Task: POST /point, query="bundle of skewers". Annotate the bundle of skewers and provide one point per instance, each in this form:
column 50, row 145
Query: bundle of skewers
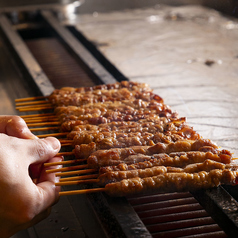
column 126, row 141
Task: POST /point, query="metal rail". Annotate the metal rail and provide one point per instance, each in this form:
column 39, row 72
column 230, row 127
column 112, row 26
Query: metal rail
column 28, row 63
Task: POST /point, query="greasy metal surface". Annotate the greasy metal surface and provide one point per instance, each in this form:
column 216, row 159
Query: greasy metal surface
column 30, row 65
column 78, row 49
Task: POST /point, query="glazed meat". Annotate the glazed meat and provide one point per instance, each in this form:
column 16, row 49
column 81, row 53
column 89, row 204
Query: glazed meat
column 136, row 154
column 137, row 106
column 161, row 132
column 124, row 84
column 136, row 142
column 96, row 96
column 172, row 182
column 191, row 159
column 116, row 176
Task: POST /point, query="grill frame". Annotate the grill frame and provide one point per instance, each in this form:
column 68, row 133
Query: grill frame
column 109, row 211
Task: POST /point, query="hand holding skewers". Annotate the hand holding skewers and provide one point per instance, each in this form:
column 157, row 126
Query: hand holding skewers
column 27, row 192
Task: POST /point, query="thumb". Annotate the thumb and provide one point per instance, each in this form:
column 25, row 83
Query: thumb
column 44, row 149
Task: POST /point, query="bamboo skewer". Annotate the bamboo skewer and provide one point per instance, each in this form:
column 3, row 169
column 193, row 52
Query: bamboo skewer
column 83, row 191
column 77, row 182
column 37, row 115
column 65, row 162
column 76, row 172
column 30, row 98
column 44, row 128
column 35, row 108
column 66, row 154
column 53, row 134
column 50, row 123
column 65, row 141
column 89, row 176
column 31, row 103
column 66, row 144
column 41, row 119
column 70, row 168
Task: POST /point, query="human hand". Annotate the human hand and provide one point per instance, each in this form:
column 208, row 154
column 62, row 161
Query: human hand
column 27, row 192
column 15, row 126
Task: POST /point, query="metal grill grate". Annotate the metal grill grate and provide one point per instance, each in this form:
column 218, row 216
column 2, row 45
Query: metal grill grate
column 175, row 215
column 58, row 64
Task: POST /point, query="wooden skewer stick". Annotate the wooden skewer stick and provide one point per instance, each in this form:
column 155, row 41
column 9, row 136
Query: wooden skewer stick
column 65, row 162
column 70, row 168
column 31, row 103
column 77, row 182
column 37, row 115
column 66, row 154
column 44, row 128
column 66, row 144
column 35, row 109
column 41, row 119
column 50, row 123
column 86, row 171
column 83, row 191
column 30, row 98
column 65, row 141
column 53, row 134
column 34, row 106
column 89, row 176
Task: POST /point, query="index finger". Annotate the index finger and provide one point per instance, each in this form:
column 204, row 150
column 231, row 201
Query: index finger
column 48, row 192
column 15, row 126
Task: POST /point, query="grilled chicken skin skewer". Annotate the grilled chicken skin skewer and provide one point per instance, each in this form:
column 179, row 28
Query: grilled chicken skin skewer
column 172, row 182
column 118, row 155
column 115, row 176
column 191, row 159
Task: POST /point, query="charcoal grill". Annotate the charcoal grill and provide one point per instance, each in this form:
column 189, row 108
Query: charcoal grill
column 50, row 55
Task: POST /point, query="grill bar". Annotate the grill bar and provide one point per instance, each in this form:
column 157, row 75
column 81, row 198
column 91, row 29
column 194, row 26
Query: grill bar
column 206, row 229
column 175, row 215
column 162, row 204
column 30, row 66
